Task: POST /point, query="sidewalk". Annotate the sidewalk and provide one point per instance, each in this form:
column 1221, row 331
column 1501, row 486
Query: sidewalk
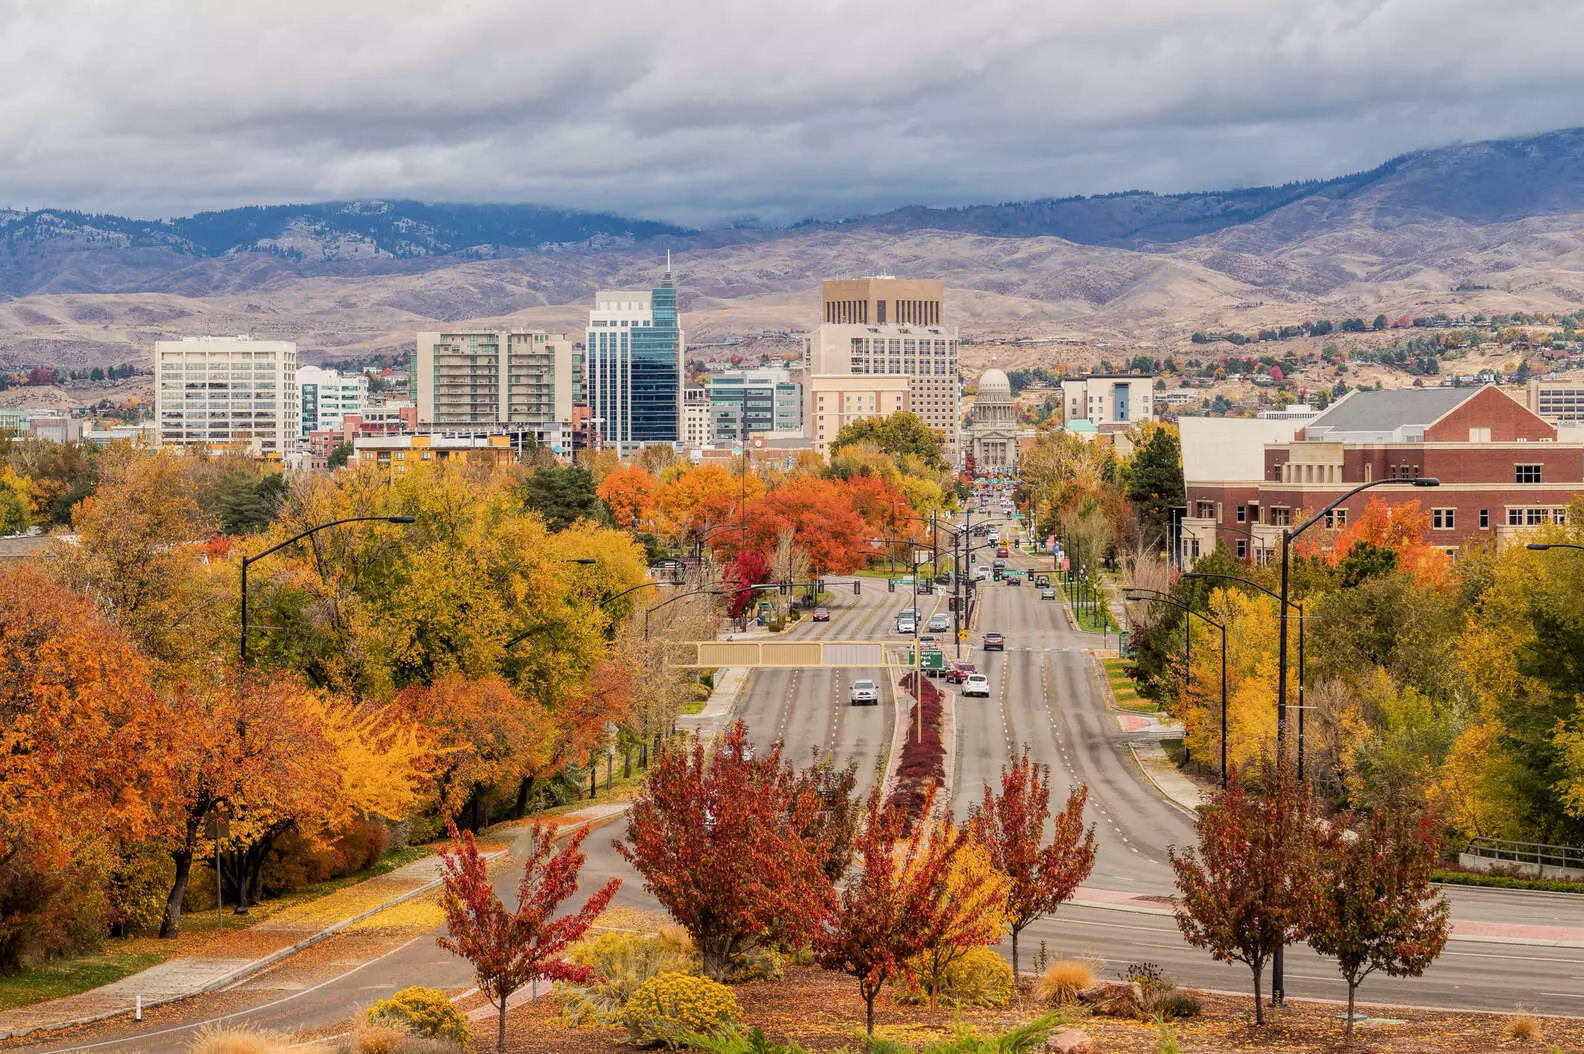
column 242, row 953
column 720, row 708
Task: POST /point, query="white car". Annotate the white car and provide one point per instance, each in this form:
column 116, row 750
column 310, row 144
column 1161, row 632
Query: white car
column 976, row 684
column 865, row 693
column 906, row 626
column 939, row 622
column 981, row 573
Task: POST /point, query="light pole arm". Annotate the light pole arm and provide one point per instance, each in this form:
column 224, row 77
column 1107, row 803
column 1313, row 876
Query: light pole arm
column 1421, row 481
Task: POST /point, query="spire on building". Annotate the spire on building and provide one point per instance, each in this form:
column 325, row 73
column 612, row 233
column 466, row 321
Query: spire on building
column 665, row 283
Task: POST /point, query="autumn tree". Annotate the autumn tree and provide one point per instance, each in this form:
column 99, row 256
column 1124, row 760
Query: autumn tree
column 970, row 909
column 900, row 434
column 721, row 841
column 1402, row 528
column 1011, row 825
column 512, row 948
column 1376, row 907
column 819, row 518
column 1247, row 889
column 890, row 910
column 629, row 493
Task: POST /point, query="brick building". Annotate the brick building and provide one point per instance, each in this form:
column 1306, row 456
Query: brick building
column 1503, row 471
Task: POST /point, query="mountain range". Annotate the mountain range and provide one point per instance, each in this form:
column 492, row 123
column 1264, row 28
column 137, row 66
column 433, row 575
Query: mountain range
column 1493, row 225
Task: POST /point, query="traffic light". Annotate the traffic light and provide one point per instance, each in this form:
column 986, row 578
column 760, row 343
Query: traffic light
column 784, row 586
column 890, row 585
column 857, row 587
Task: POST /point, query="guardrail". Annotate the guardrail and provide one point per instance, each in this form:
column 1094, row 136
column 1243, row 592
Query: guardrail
column 1528, row 854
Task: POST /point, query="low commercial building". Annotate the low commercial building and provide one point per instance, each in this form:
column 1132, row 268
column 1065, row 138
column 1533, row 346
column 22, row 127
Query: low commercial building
column 397, row 454
column 747, row 401
column 1503, row 470
column 1560, row 402
column 835, row 400
column 329, row 395
column 1110, row 402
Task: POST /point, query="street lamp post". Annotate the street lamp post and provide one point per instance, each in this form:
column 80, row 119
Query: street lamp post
column 1157, row 595
column 248, row 561
column 1541, row 547
column 1278, row 990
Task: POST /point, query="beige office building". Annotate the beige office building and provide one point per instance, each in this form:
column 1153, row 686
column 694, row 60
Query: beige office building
column 227, row 393
column 925, row 354
column 1109, row 402
column 473, row 379
column 834, row 400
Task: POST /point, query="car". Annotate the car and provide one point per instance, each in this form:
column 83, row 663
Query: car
column 912, row 613
column 981, row 573
column 865, row 693
column 1003, row 552
column 1012, row 578
column 822, row 614
column 939, row 622
column 959, row 672
column 906, row 626
column 1048, row 593
column 925, row 587
column 1042, row 580
column 929, row 640
column 994, row 642
column 999, row 565
column 976, row 684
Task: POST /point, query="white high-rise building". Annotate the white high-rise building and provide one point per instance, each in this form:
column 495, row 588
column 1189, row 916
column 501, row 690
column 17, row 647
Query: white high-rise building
column 328, row 396
column 219, row 392
column 697, row 429
column 472, row 379
column 634, row 367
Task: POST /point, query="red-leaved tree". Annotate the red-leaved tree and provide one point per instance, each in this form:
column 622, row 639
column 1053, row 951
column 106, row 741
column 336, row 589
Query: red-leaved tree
column 1248, row 888
column 1376, row 908
column 509, row 949
column 729, row 843
column 893, row 908
column 1011, row 825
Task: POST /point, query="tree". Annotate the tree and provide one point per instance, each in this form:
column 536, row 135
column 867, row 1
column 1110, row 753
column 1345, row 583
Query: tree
column 562, row 496
column 1376, row 907
column 721, row 843
column 891, row 910
column 970, row 910
column 1247, row 889
column 629, row 494
column 339, row 456
column 1155, row 478
column 1041, row 878
column 819, row 518
column 900, row 434
column 16, row 502
column 509, row 949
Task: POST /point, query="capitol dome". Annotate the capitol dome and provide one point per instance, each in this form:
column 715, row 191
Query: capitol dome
column 994, row 387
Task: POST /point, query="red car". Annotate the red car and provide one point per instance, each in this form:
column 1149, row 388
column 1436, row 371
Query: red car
column 821, row 614
column 960, row 671
column 1003, row 552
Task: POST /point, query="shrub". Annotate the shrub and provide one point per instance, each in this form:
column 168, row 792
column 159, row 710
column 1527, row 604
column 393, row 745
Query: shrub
column 376, row 1039
column 1062, row 980
column 1523, row 1026
column 239, row 1040
column 669, row 1006
column 301, row 861
column 623, row 961
column 1177, row 1003
column 1151, row 979
column 422, row 1012
column 736, row 1041
column 758, row 963
column 980, row 978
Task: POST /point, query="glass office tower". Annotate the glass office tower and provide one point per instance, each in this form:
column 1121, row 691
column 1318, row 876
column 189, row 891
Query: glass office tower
column 634, row 364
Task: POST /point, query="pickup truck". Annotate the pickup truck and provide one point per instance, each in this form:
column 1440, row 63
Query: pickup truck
column 864, row 693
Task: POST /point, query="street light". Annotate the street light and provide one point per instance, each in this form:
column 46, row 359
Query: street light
column 247, row 561
column 1155, row 594
column 1541, row 547
column 1288, row 534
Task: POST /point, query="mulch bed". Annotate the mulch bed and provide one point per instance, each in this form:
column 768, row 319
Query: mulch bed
column 922, row 765
column 822, row 1011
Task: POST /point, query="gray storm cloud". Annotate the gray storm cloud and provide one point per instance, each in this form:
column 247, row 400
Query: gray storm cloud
column 697, row 110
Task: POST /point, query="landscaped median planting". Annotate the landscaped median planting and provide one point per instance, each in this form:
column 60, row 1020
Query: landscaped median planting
column 923, row 762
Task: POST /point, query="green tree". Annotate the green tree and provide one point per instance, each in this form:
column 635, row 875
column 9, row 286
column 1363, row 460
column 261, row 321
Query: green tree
column 1365, row 561
column 1155, row 479
column 899, row 434
column 563, row 496
column 339, row 456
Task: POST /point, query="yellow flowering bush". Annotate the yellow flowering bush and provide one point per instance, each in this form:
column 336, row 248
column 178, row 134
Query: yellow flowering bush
column 669, row 1006
column 423, row 1012
column 979, row 978
column 621, row 962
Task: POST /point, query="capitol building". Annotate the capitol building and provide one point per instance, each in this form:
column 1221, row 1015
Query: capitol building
column 993, row 438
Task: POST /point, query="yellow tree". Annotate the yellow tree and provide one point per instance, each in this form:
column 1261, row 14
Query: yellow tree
column 971, row 905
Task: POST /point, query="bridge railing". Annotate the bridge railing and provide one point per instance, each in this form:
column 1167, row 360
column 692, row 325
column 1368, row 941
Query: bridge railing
column 1533, row 854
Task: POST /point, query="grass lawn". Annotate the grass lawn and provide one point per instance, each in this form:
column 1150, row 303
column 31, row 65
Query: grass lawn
column 1124, row 689
column 70, row 976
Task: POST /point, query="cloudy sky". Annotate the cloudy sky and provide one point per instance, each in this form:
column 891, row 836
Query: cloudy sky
column 696, row 111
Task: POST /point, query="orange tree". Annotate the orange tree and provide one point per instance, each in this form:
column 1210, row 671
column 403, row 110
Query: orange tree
column 630, row 493
column 509, row 949
column 819, row 515
column 724, row 842
column 1011, row 824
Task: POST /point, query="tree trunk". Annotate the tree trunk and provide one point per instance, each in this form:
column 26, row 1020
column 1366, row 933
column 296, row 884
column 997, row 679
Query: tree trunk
column 869, row 998
column 501, row 1029
column 524, row 792
column 1259, row 1003
column 715, row 957
column 1352, row 989
column 170, row 925
column 1015, row 957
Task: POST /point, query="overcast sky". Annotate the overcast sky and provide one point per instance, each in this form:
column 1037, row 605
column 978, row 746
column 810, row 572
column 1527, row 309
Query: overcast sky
column 696, row 111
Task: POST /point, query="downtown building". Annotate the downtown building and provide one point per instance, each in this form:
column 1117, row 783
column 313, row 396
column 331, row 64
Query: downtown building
column 882, row 338
column 228, row 393
column 633, row 368
column 1109, row 402
column 1503, row 471
column 745, row 402
column 478, row 381
column 328, row 396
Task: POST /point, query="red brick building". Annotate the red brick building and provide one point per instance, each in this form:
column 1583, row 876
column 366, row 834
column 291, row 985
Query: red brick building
column 1502, row 470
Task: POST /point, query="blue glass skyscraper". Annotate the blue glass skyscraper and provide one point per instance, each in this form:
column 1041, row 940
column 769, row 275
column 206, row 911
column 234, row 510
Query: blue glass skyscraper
column 634, row 364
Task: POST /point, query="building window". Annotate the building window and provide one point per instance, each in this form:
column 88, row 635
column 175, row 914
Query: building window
column 1281, row 516
column 1242, row 548
column 1204, row 509
column 1443, row 519
column 1515, row 517
column 1242, row 515
column 1527, row 474
column 1336, row 518
column 1558, row 515
column 1484, row 519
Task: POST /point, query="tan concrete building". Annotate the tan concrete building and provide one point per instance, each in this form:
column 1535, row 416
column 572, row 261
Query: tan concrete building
column 834, row 400
column 223, row 393
column 1110, row 403
column 479, row 378
column 883, row 300
column 397, row 453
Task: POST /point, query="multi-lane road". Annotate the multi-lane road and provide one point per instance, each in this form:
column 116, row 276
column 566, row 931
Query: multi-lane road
column 1046, row 697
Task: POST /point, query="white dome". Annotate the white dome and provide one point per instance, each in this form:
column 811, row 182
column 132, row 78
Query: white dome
column 994, row 386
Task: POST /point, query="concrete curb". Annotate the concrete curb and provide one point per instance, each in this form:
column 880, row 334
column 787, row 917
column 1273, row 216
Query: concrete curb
column 898, row 736
column 1167, row 798
column 258, row 966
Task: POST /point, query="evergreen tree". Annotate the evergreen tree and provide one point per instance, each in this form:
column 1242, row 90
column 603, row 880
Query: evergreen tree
column 1155, row 480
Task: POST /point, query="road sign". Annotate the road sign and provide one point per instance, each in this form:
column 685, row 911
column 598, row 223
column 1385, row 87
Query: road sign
column 962, row 634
